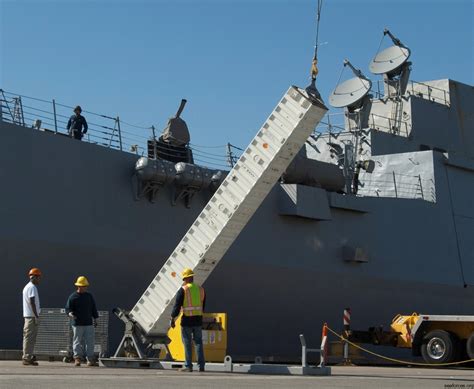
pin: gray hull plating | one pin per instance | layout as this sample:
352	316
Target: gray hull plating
69	208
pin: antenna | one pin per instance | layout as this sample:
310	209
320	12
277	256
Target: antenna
392	58
351	92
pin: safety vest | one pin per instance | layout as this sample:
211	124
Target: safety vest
193	298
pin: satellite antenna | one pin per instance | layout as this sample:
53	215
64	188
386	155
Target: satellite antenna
391	60
353	95
393	64
350	93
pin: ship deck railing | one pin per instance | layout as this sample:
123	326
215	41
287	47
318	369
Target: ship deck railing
115	133
337	123
419	89
397	185
104	130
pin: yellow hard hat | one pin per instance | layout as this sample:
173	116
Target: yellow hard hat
81	281
187	273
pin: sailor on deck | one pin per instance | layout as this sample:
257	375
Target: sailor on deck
77	125
190	300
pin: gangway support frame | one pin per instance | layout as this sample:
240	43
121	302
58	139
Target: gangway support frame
227	367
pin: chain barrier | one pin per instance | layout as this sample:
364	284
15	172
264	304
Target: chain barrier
343	339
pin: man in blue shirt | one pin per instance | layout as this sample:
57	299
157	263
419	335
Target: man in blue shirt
82	310
77	125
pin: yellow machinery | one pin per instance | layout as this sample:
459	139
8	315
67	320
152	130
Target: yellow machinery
403	325
437	338
214	338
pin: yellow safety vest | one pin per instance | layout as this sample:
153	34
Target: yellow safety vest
193	298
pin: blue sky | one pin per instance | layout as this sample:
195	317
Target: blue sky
231	59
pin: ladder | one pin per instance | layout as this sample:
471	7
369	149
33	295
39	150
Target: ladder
231	207
397	110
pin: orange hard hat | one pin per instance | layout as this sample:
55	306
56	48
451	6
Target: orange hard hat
35	272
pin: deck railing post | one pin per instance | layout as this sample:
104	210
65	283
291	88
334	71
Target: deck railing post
421	187
55	117
2	97
395	184
21	116
154	142
230	155
119	133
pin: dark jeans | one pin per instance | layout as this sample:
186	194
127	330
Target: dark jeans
188	334
76	134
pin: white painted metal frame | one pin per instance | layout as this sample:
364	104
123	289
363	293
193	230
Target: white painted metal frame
445	318
228	211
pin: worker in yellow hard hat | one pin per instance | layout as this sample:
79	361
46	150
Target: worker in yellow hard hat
82	310
31	312
190	301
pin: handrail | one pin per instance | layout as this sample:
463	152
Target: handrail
376	122
104	130
420	89
396	185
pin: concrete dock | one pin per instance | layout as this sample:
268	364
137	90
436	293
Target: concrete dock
51	375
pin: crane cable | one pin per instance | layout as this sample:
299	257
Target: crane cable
311	88
314	65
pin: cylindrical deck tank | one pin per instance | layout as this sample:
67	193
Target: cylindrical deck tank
316	173
195	176
159	171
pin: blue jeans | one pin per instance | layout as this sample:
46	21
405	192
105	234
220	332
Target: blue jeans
83	342
188	334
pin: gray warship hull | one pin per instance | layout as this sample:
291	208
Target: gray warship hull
69	209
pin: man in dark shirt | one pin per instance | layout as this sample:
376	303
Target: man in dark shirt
77	125
82	310
190	300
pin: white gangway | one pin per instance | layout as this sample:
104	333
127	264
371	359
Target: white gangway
228	211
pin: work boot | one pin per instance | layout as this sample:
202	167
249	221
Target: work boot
77	361
29	362
92	363
186	370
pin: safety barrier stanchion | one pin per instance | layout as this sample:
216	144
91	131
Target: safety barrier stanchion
323	348
347	332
